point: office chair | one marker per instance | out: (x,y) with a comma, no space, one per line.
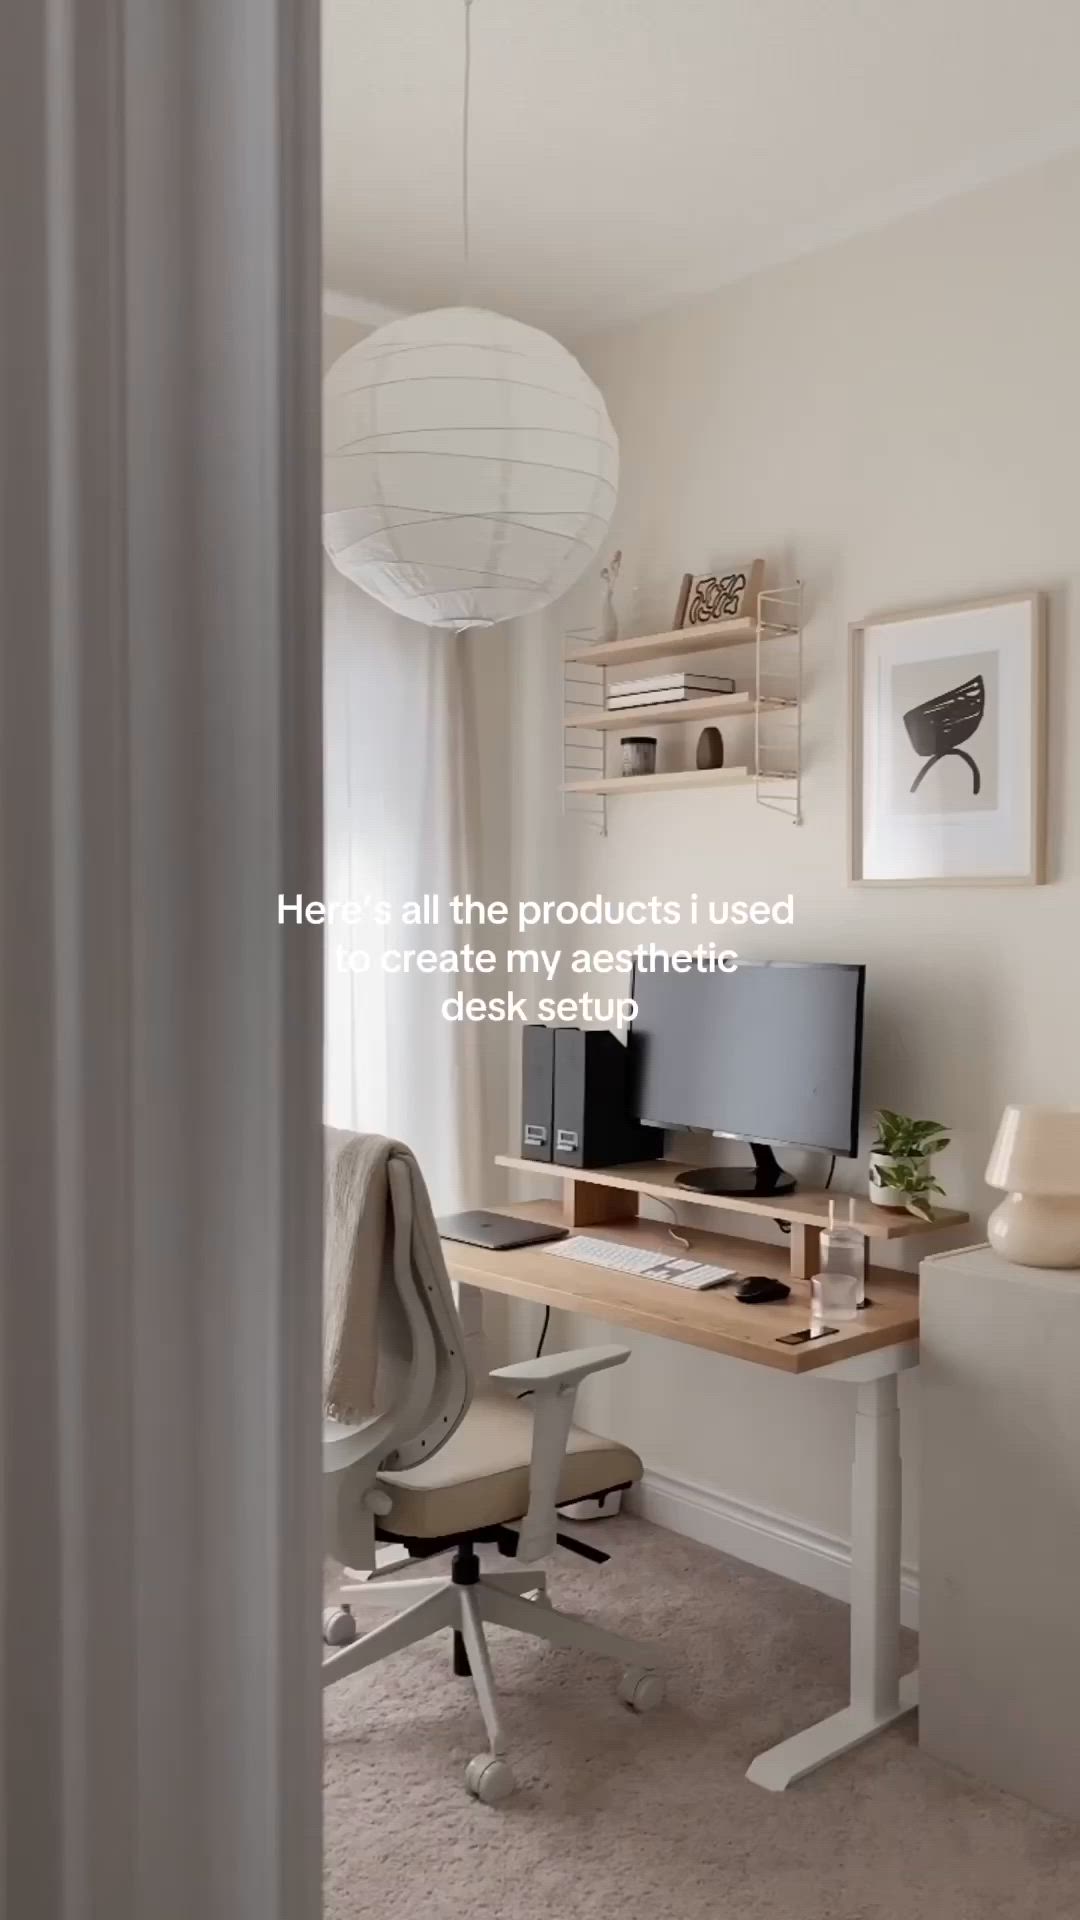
(434,1469)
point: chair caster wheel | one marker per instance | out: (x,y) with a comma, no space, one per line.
(489,1779)
(641,1689)
(339,1628)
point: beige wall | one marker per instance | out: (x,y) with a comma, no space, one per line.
(338,335)
(897,421)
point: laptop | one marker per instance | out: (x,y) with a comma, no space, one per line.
(499,1231)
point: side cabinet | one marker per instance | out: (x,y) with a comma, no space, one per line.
(999,1604)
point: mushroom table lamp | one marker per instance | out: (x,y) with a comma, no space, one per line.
(1036,1159)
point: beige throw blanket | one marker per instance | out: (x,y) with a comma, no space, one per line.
(358,1250)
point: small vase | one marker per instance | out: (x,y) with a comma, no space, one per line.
(888,1196)
(609,621)
(710,748)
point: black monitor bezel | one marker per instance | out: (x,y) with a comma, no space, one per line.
(811,1146)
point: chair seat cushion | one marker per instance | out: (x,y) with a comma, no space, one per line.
(480,1478)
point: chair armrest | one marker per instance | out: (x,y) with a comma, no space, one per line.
(556,1370)
(554,1383)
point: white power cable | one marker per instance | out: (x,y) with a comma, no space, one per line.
(678,1238)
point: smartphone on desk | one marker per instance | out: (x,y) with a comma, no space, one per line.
(805,1333)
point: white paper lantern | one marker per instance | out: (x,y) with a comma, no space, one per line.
(470,467)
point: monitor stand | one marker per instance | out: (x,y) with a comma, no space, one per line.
(764,1177)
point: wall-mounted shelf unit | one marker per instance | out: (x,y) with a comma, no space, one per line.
(773,701)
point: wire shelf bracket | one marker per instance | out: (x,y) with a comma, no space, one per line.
(778,693)
(583,748)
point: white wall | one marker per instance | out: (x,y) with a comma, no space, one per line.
(898,421)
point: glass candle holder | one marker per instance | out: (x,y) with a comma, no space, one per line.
(638,755)
(834,1295)
(843,1249)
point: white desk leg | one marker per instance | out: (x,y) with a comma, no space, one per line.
(878,1694)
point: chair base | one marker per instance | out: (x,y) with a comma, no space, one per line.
(464,1603)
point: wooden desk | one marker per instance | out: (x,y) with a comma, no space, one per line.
(714,1320)
(868,1353)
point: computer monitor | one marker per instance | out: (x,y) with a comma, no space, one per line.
(771,1052)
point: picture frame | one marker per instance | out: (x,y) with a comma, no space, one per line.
(730,593)
(947,744)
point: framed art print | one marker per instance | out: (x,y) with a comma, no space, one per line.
(947,748)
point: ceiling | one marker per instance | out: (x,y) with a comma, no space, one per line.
(631,154)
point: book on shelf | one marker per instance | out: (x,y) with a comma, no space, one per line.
(666,689)
(678,678)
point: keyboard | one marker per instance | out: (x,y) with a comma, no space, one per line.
(695,1275)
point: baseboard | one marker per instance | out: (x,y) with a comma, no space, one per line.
(765,1539)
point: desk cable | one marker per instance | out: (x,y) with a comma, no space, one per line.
(785,1225)
(679,1238)
(526,1391)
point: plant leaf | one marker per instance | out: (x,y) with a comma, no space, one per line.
(904,1138)
(908,1177)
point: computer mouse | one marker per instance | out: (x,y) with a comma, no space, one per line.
(759,1288)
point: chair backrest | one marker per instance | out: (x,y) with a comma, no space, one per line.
(419,1381)
(442,1387)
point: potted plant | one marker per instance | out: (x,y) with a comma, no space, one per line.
(900,1158)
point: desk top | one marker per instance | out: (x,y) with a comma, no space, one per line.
(714,1320)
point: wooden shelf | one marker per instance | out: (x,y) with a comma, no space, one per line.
(670,782)
(664,782)
(715,1320)
(712,706)
(807,1206)
(710,638)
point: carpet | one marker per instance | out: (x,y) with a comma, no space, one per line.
(639,1817)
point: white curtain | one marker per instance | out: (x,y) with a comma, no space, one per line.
(160,1040)
(403,821)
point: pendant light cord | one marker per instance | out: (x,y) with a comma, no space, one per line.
(465,156)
